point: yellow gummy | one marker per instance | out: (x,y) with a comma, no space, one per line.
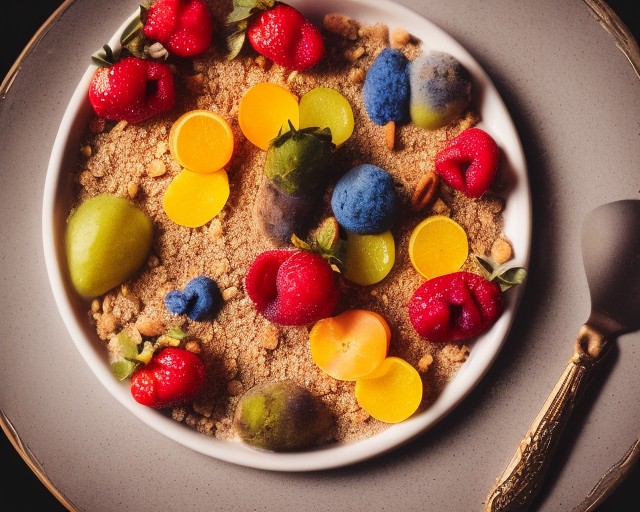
(391,393)
(438,246)
(327,108)
(201,141)
(265,110)
(193,199)
(369,258)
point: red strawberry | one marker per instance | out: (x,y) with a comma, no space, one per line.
(132,89)
(279,32)
(173,376)
(455,306)
(290,287)
(184,27)
(469,162)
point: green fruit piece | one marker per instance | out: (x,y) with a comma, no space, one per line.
(298,161)
(327,108)
(106,241)
(281,416)
(369,258)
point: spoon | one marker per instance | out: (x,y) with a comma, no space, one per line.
(611,257)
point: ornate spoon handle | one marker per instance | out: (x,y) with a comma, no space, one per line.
(516,488)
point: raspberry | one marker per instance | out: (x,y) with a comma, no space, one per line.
(469,162)
(455,307)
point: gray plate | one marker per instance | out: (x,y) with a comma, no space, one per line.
(574,98)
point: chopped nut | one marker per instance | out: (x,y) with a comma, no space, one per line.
(132,189)
(271,338)
(342,25)
(120,126)
(357,75)
(230,293)
(399,38)
(390,134)
(441,208)
(161,148)
(292,76)
(95,306)
(424,363)
(355,54)
(193,346)
(425,191)
(148,326)
(156,168)
(456,354)
(85,151)
(501,250)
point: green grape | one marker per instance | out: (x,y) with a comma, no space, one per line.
(327,108)
(106,242)
(369,258)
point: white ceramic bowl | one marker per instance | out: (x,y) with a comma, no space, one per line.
(517,215)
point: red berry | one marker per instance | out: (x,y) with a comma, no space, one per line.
(173,376)
(132,89)
(455,306)
(469,162)
(290,287)
(285,36)
(184,27)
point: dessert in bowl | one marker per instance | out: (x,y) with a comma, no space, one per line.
(198,286)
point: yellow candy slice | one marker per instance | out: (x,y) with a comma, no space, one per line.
(391,393)
(192,199)
(327,108)
(265,110)
(201,141)
(438,246)
(369,258)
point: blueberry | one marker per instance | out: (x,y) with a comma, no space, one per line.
(200,300)
(440,89)
(386,88)
(364,200)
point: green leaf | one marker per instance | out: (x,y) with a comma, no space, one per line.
(123,369)
(235,41)
(104,57)
(176,333)
(299,243)
(511,277)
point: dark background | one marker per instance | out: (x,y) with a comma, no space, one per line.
(20,489)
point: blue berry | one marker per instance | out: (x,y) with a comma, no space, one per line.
(200,300)
(386,88)
(364,200)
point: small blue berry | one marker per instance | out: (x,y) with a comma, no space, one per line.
(386,92)
(364,200)
(201,299)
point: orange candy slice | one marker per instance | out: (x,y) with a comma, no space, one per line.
(192,199)
(265,110)
(438,246)
(201,141)
(391,393)
(350,345)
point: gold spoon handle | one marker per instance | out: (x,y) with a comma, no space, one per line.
(516,488)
